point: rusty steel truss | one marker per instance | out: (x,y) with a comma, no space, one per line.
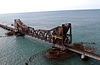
(60,35)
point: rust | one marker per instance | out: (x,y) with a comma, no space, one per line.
(10,33)
(58,54)
(60,36)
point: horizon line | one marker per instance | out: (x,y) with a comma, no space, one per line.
(46,11)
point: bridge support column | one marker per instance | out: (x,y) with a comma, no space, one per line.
(83,57)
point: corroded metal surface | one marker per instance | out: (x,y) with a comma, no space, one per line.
(7,27)
(60,36)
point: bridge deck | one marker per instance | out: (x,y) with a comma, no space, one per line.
(89,54)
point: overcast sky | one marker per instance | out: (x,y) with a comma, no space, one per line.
(16,6)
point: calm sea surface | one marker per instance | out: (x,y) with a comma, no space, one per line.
(17,50)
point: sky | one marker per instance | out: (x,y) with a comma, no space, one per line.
(18,6)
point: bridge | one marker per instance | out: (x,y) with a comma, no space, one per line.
(82,52)
(60,36)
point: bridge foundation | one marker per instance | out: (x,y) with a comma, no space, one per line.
(83,57)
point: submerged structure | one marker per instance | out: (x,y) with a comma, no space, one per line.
(60,36)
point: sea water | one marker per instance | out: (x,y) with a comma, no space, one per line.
(17,50)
